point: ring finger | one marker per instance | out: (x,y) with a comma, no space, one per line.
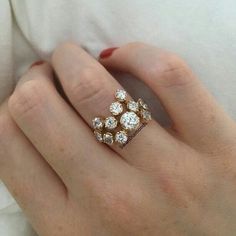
(90,88)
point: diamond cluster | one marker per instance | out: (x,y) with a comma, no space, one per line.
(127,117)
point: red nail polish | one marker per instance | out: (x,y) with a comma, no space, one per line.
(107,52)
(37,63)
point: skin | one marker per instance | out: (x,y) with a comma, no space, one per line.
(177,182)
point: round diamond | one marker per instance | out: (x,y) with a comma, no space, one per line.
(108,138)
(129,120)
(142,104)
(111,123)
(146,115)
(121,137)
(98,136)
(121,95)
(133,106)
(116,108)
(98,123)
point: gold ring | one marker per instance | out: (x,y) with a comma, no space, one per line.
(127,118)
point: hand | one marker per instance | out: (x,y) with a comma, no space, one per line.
(177,182)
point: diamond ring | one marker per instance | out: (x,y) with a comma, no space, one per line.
(127,118)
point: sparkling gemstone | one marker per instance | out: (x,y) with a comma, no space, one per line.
(142,104)
(129,120)
(121,137)
(108,138)
(98,123)
(98,135)
(146,115)
(116,108)
(111,123)
(121,95)
(133,106)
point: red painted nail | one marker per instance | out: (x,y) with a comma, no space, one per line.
(107,52)
(37,63)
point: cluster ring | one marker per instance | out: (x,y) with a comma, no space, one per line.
(127,118)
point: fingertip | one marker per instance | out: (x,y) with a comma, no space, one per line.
(107,53)
(39,69)
(37,63)
(40,66)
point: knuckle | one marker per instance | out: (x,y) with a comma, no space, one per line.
(166,69)
(27,99)
(88,87)
(171,71)
(128,207)
(121,204)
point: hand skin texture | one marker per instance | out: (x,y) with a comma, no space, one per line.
(167,183)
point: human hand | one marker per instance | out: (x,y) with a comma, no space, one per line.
(177,182)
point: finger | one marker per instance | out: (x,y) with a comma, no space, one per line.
(62,138)
(91,89)
(35,186)
(195,114)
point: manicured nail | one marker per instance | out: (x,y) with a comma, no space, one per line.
(37,63)
(107,52)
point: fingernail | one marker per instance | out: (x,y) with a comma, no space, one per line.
(107,52)
(37,63)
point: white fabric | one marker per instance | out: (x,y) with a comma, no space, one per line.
(202,32)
